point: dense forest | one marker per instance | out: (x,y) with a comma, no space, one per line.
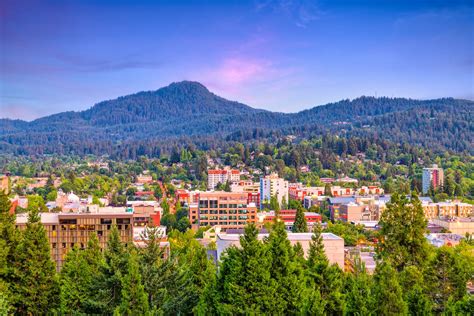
(187,112)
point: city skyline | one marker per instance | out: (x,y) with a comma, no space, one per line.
(277,55)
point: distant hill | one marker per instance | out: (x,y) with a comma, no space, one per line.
(189,111)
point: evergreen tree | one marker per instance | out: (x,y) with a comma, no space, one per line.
(274,205)
(324,278)
(286,271)
(403,228)
(245,280)
(327,189)
(388,292)
(75,282)
(114,268)
(447,278)
(36,285)
(300,226)
(359,298)
(413,283)
(9,238)
(134,299)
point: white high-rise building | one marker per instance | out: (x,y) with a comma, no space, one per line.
(221,176)
(272,185)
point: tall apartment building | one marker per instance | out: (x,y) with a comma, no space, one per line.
(272,185)
(67,230)
(221,176)
(229,210)
(432,176)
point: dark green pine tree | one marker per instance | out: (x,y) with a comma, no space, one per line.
(403,228)
(162,278)
(286,271)
(134,300)
(325,278)
(244,280)
(36,282)
(79,277)
(300,225)
(114,268)
(9,238)
(358,294)
(75,282)
(387,291)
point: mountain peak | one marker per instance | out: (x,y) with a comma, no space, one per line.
(187,86)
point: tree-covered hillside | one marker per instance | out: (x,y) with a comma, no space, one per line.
(187,111)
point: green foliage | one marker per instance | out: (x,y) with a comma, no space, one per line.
(36,287)
(388,292)
(300,226)
(403,232)
(134,298)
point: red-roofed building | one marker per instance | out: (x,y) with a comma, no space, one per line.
(288,216)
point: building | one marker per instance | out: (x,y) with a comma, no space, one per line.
(229,210)
(296,191)
(221,176)
(333,245)
(314,200)
(4,183)
(341,191)
(68,230)
(444,239)
(369,190)
(288,217)
(457,225)
(355,212)
(272,185)
(144,178)
(355,208)
(346,179)
(447,209)
(433,176)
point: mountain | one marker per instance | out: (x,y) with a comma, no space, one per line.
(189,111)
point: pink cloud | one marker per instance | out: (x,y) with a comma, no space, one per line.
(235,75)
(237,70)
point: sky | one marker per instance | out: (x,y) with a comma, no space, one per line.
(280,55)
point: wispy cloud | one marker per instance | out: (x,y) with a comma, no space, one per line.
(69,63)
(302,12)
(88,64)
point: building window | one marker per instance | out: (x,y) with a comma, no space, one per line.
(54,245)
(106,221)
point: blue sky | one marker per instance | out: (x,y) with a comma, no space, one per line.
(279,55)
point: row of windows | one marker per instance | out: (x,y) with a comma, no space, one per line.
(204,211)
(224,223)
(244,217)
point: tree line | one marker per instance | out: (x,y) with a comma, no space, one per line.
(268,276)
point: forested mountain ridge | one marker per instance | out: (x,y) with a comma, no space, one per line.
(189,110)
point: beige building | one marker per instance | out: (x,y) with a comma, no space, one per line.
(459,226)
(67,230)
(333,245)
(449,209)
(228,210)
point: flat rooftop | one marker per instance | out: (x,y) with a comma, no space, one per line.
(291,236)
